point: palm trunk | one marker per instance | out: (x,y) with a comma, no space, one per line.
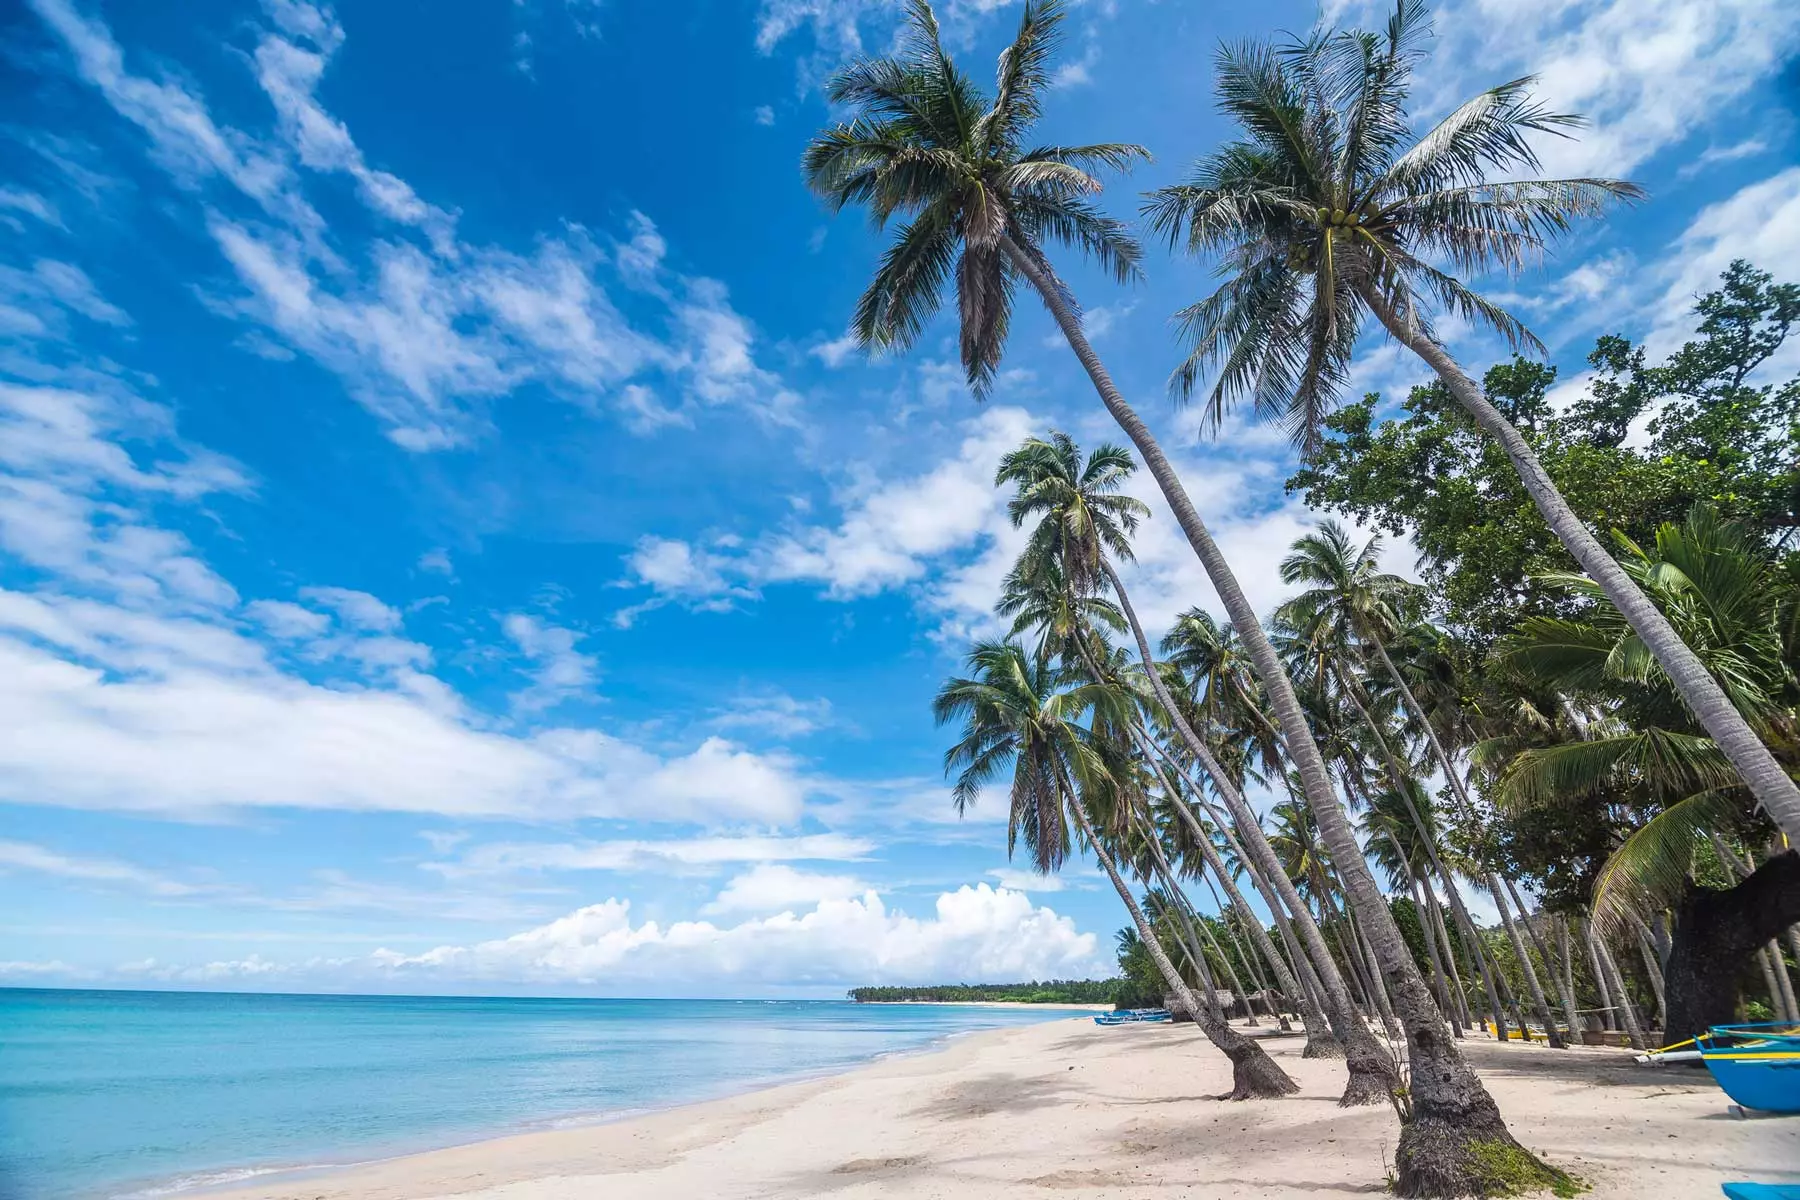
(1765,778)
(1538,999)
(1543,951)
(1567,979)
(1371,1072)
(1249,960)
(1455,1123)
(1627,1011)
(1253,1073)
(1451,893)
(1609,1013)
(1443,931)
(1653,968)
(1445,1004)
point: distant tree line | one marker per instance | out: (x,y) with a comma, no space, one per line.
(1049,991)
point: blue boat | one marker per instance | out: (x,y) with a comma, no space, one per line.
(1133,1016)
(1757,1065)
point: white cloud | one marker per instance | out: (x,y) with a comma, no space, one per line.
(636,854)
(836,352)
(1648,74)
(889,531)
(1713,155)
(358,610)
(287,620)
(1026,881)
(436,561)
(16,199)
(424,336)
(775,713)
(973,933)
(24,856)
(559,672)
(1759,222)
(764,114)
(771,887)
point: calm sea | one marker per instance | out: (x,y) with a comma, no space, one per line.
(150,1093)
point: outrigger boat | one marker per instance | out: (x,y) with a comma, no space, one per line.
(1758,1065)
(1133,1016)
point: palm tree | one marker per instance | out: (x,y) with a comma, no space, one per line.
(1017,717)
(925,144)
(1721,589)
(1084,525)
(1330,210)
(1347,594)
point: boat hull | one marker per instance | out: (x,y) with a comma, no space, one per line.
(1758,1067)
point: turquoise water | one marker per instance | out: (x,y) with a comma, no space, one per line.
(116,1093)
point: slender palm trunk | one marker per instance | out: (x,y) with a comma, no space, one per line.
(1429,935)
(1765,778)
(1634,1031)
(1652,968)
(1372,1075)
(1252,962)
(1609,1012)
(1253,1073)
(1455,1122)
(1466,923)
(1565,993)
(1443,932)
(1538,999)
(1566,977)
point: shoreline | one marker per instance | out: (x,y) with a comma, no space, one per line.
(1084,1111)
(1069,1007)
(234,1181)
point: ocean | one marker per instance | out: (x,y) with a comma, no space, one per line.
(142,1094)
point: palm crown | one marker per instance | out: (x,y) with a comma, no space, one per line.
(1330,205)
(927,146)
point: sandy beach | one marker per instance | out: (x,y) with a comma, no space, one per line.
(1069,1109)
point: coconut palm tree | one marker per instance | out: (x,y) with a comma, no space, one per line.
(1083,527)
(979,209)
(1018,717)
(1330,210)
(1721,589)
(1349,596)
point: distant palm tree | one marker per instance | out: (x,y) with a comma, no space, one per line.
(1084,523)
(1331,209)
(1347,591)
(1018,719)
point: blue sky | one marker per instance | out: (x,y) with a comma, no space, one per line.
(447,543)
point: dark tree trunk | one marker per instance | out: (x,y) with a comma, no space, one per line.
(1716,933)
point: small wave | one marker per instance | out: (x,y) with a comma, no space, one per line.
(207,1181)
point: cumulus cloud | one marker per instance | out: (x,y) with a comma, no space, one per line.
(972,933)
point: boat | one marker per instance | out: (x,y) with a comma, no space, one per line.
(1133,1016)
(1758,1065)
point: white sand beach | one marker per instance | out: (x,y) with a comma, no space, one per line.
(1069,1109)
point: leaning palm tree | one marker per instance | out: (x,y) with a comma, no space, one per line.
(1017,717)
(1331,210)
(1083,526)
(980,208)
(1348,594)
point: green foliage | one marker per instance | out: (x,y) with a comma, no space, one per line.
(1049,991)
(1716,434)
(1141,985)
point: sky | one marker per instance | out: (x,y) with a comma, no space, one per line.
(448,542)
